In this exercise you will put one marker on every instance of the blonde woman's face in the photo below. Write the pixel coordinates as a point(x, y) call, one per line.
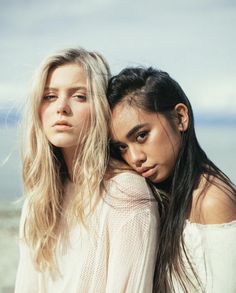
point(65, 110)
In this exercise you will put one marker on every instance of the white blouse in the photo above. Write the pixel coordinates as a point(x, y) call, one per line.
point(212, 252)
point(116, 254)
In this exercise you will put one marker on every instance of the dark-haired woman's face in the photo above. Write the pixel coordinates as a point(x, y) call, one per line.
point(146, 141)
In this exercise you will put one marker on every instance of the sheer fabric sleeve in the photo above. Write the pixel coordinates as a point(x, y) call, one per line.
point(221, 255)
point(27, 276)
point(134, 242)
point(212, 253)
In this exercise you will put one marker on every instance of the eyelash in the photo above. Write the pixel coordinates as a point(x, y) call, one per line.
point(121, 149)
point(141, 136)
point(118, 148)
point(49, 97)
point(80, 97)
point(52, 97)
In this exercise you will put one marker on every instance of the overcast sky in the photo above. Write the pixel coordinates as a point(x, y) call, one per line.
point(193, 40)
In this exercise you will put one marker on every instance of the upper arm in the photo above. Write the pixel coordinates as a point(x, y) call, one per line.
point(27, 276)
point(216, 206)
point(220, 256)
point(133, 255)
point(133, 225)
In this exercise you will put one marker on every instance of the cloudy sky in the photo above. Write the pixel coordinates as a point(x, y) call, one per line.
point(193, 40)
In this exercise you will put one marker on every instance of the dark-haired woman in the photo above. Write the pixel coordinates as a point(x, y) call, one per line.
point(152, 130)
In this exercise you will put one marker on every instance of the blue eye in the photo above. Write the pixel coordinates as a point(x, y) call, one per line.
point(49, 97)
point(80, 97)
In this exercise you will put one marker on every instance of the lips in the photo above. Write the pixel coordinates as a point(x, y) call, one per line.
point(62, 122)
point(62, 125)
point(148, 172)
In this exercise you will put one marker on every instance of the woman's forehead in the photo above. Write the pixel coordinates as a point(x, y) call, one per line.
point(126, 117)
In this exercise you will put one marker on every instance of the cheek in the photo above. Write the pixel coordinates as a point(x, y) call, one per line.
point(84, 118)
point(172, 149)
point(86, 114)
point(126, 158)
point(164, 145)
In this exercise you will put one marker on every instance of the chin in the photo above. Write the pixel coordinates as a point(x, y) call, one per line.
point(63, 144)
point(154, 179)
point(159, 179)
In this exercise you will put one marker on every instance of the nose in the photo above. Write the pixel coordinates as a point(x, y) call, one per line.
point(137, 156)
point(63, 106)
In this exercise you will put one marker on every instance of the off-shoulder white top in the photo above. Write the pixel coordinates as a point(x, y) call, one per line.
point(212, 252)
point(116, 254)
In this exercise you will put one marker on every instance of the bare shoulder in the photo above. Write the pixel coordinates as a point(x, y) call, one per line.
point(217, 205)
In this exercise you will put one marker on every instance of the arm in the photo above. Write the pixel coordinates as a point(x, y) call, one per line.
point(27, 276)
point(133, 256)
point(221, 257)
point(134, 242)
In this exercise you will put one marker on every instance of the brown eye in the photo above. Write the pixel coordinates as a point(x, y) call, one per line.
point(121, 148)
point(117, 148)
point(141, 136)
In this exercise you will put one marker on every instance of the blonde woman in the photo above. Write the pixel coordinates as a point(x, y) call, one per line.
point(80, 231)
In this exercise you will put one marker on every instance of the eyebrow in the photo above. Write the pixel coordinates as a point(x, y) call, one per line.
point(70, 89)
point(135, 129)
point(130, 133)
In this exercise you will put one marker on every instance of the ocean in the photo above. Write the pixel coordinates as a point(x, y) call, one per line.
point(219, 142)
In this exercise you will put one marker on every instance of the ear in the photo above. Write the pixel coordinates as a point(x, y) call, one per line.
point(182, 115)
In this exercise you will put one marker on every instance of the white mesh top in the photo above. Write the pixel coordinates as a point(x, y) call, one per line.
point(212, 252)
point(116, 254)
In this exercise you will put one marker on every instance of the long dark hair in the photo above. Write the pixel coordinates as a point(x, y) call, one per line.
point(156, 92)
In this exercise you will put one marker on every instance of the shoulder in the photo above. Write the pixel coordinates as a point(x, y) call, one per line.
point(127, 195)
point(217, 205)
point(129, 205)
point(129, 184)
point(128, 176)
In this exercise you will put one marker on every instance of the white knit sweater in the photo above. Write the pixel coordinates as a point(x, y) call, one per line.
point(116, 254)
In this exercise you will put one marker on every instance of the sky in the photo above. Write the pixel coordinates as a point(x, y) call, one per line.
point(193, 40)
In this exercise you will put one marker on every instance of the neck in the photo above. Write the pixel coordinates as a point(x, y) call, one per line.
point(69, 155)
point(165, 185)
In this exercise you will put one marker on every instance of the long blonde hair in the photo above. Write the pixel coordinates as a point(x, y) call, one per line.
point(44, 169)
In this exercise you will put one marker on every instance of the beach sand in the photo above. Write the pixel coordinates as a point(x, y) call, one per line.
point(9, 217)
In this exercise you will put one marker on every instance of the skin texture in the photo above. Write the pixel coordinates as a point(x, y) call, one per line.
point(65, 111)
point(216, 206)
point(150, 144)
point(147, 142)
